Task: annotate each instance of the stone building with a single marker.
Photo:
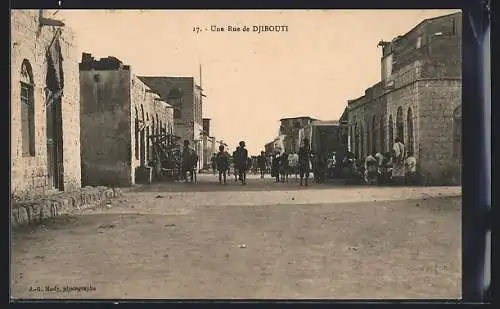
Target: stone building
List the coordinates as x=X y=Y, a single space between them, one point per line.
x=418 y=99
x=209 y=144
x=186 y=96
x=290 y=128
x=119 y=113
x=269 y=147
x=326 y=137
x=45 y=104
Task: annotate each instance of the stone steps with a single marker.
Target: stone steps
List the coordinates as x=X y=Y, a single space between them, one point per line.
x=26 y=212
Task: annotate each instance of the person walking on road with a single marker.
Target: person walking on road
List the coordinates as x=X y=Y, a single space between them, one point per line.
x=235 y=172
x=189 y=161
x=284 y=167
x=241 y=162
x=304 y=162
x=222 y=160
x=214 y=162
x=261 y=160
x=275 y=166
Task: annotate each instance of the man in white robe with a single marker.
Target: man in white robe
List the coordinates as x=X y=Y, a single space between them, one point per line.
x=399 y=156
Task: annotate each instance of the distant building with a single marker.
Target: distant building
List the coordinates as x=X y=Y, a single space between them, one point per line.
x=418 y=100
x=289 y=128
x=269 y=147
x=45 y=105
x=119 y=114
x=187 y=98
x=326 y=137
x=209 y=144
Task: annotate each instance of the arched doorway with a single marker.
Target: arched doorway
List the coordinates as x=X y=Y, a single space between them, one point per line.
x=53 y=116
x=409 y=122
x=400 y=124
x=391 y=133
x=362 y=141
x=382 y=135
x=356 y=140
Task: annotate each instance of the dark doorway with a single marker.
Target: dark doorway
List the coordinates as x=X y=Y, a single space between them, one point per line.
x=142 y=147
x=53 y=115
x=55 y=168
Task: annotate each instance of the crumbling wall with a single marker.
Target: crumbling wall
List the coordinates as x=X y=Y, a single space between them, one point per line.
x=106 y=152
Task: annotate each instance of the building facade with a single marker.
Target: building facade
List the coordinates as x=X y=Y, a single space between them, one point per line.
x=186 y=97
x=418 y=100
x=209 y=144
x=269 y=147
x=326 y=137
x=119 y=114
x=290 y=128
x=45 y=104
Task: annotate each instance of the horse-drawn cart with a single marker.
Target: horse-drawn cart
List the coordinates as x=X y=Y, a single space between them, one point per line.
x=166 y=156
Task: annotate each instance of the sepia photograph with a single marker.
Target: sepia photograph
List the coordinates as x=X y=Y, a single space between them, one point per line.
x=236 y=154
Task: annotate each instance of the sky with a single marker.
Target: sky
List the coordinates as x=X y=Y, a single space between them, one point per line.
x=251 y=80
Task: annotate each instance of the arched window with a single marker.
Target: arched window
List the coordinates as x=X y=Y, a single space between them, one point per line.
x=382 y=135
x=136 y=133
x=409 y=123
x=457 y=132
x=391 y=132
x=27 y=110
x=374 y=134
x=361 y=142
x=400 y=124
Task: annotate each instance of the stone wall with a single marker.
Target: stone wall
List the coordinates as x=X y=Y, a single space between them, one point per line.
x=105 y=127
x=29 y=42
x=438 y=100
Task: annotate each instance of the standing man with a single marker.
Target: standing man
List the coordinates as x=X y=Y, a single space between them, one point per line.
x=235 y=172
x=304 y=161
x=411 y=169
x=214 y=162
x=222 y=159
x=284 y=167
x=189 y=161
x=275 y=166
x=261 y=160
x=399 y=156
x=241 y=162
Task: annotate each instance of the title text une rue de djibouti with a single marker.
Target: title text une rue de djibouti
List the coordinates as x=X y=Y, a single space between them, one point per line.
x=254 y=28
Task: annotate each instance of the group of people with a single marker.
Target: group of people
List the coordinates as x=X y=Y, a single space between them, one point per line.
x=397 y=167
x=222 y=161
x=299 y=164
x=281 y=165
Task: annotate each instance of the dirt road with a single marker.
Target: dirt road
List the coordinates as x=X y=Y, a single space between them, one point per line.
x=244 y=244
